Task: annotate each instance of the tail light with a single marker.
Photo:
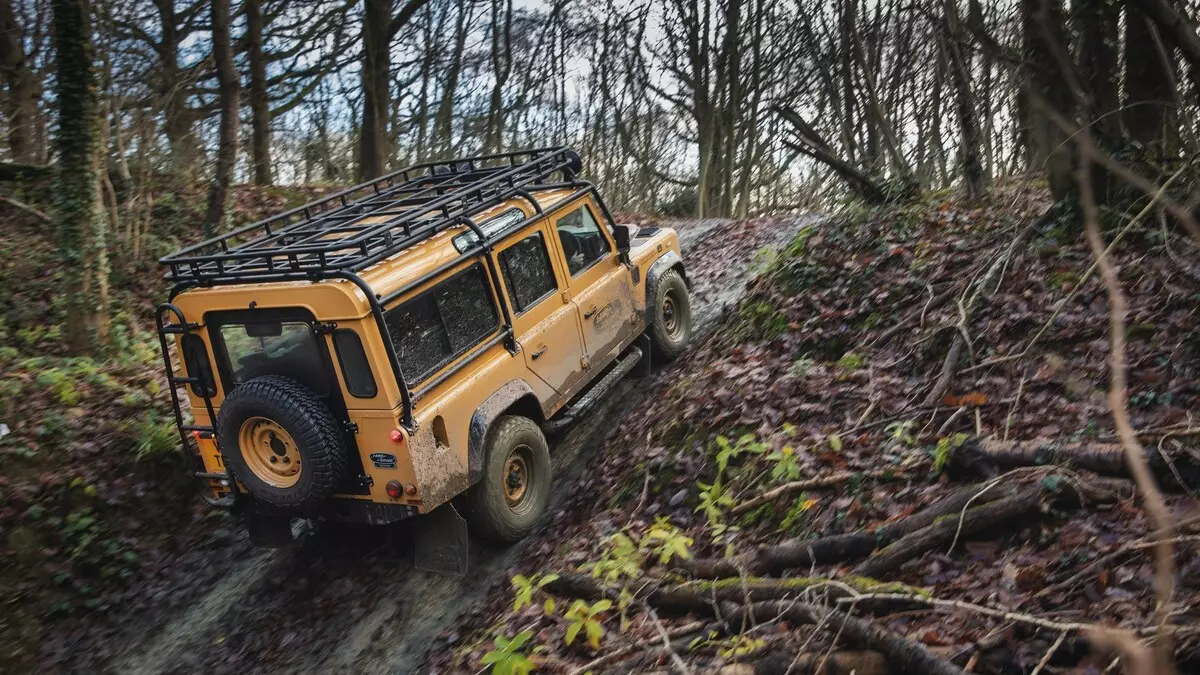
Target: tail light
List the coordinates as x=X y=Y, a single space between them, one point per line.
x=394 y=489
x=397 y=436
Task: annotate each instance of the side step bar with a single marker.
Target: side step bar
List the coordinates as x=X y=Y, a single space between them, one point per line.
x=570 y=415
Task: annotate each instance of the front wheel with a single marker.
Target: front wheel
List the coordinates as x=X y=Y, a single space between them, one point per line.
x=670 y=318
x=506 y=503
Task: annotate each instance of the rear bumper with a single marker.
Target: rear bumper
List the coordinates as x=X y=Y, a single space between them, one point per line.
x=361 y=512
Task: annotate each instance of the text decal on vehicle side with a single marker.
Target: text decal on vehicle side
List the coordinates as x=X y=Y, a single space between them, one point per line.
x=383 y=460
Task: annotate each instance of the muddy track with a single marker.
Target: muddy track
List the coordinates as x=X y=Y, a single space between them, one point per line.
x=348 y=600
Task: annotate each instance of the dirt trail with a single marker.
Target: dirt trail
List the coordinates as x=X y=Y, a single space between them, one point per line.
x=343 y=601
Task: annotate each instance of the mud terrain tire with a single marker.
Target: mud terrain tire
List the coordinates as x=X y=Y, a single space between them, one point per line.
x=315 y=435
x=516 y=462
x=670 y=318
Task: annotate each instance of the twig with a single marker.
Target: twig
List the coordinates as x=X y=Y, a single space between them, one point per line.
x=800 y=486
x=1011 y=411
x=26 y=208
x=1050 y=653
x=950 y=421
x=666 y=641
x=1164 y=575
x=617 y=655
x=1058 y=307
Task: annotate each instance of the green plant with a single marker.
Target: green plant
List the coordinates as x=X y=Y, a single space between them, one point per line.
x=155 y=438
x=587 y=618
x=714 y=501
x=787 y=466
x=525 y=587
x=727 y=451
x=506 y=656
x=850 y=361
x=620 y=558
x=944 y=452
x=901 y=432
x=667 y=541
x=801 y=367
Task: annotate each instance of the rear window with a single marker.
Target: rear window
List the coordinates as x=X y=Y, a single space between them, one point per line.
x=286 y=348
x=442 y=323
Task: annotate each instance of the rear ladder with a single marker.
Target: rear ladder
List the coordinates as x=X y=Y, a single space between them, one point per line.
x=169 y=321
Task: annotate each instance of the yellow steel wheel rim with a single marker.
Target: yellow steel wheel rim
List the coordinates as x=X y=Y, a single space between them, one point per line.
x=516 y=477
x=270 y=452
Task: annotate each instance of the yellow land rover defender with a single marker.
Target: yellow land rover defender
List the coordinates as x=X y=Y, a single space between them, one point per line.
x=406 y=342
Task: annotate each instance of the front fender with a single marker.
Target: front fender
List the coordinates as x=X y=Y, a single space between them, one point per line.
x=487 y=412
x=669 y=260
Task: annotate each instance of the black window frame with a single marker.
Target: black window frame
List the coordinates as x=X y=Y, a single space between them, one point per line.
x=510 y=287
x=198 y=365
x=360 y=351
x=599 y=228
x=219 y=319
x=490 y=291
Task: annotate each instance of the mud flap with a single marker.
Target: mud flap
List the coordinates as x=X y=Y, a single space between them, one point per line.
x=440 y=542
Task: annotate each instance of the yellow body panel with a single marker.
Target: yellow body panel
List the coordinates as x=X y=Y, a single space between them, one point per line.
x=576 y=331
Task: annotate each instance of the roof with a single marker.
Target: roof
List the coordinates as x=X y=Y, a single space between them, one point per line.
x=352 y=230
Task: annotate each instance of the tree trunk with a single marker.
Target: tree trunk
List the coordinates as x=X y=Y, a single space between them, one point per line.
x=1046 y=90
x=179 y=120
x=24 y=91
x=227 y=83
x=373 y=139
x=443 y=119
x=1148 y=85
x=960 y=71
x=80 y=226
x=260 y=105
x=1097 y=22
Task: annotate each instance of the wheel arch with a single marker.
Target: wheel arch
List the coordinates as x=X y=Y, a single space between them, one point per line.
x=514 y=398
x=669 y=261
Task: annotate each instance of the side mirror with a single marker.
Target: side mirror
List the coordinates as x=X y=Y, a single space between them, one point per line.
x=621 y=236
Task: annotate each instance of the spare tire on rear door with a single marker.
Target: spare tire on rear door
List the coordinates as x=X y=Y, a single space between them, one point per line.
x=282 y=442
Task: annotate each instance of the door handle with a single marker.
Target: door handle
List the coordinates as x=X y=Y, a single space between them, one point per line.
x=588 y=314
x=541 y=350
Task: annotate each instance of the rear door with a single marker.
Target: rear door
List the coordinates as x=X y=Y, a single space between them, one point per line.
x=601 y=287
x=544 y=320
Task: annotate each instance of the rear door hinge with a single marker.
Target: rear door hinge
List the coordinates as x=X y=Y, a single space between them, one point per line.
x=323 y=328
x=350 y=427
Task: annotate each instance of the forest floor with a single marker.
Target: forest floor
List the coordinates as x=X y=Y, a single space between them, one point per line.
x=804 y=486
x=813 y=490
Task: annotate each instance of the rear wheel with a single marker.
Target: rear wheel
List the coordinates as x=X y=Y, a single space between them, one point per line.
x=282 y=443
x=671 y=318
x=506 y=503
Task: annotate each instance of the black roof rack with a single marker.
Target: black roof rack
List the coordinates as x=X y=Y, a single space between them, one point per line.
x=353 y=229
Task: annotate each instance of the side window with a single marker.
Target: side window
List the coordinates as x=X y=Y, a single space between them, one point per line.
x=355 y=367
x=527 y=272
x=433 y=328
x=582 y=242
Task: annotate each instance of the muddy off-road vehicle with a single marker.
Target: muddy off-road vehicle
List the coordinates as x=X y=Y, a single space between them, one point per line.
x=407 y=342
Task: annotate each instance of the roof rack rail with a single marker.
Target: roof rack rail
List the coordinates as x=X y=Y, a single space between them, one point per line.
x=355 y=228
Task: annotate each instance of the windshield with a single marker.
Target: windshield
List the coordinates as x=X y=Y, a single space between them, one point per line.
x=286 y=348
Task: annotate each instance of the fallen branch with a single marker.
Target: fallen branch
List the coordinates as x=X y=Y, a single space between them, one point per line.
x=26 y=208
x=629 y=650
x=802 y=553
x=802 y=485
x=968 y=309
x=1023 y=502
x=904 y=654
x=1107 y=459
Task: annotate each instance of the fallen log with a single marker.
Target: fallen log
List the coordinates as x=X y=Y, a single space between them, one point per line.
x=837 y=548
x=822 y=662
x=902 y=653
x=906 y=655
x=949 y=528
x=1180 y=469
